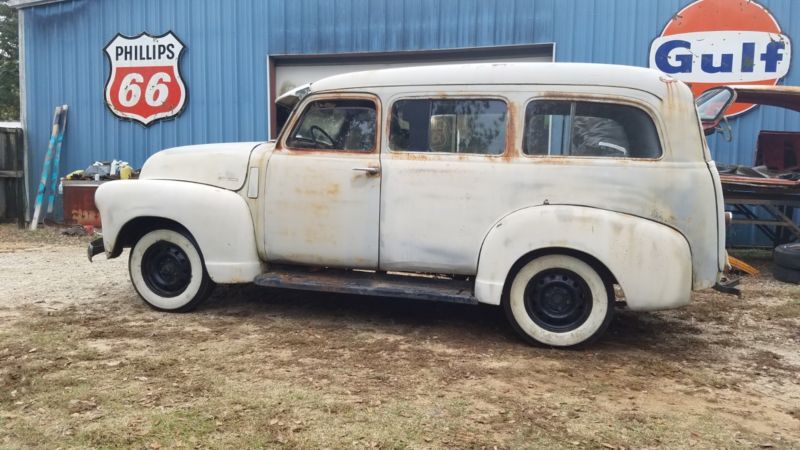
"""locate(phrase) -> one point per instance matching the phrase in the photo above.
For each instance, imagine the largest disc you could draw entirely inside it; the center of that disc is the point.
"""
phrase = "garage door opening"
(287, 72)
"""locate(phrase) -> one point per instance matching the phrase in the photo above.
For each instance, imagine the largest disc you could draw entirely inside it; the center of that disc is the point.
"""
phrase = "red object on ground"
(79, 207)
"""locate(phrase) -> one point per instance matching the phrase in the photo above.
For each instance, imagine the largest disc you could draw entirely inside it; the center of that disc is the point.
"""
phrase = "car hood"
(220, 165)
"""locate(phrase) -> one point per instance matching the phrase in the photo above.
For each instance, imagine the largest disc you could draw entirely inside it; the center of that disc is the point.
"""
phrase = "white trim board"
(29, 3)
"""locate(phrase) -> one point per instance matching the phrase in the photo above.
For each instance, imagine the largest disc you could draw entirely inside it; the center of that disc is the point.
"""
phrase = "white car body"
(656, 224)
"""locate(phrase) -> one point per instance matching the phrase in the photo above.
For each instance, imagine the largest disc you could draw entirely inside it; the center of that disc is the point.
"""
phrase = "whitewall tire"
(168, 272)
(558, 300)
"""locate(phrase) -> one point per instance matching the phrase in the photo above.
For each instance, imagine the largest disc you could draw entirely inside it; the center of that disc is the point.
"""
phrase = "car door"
(445, 180)
(323, 185)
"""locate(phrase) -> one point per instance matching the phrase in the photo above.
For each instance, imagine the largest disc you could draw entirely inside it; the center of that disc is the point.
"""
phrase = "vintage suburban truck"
(537, 187)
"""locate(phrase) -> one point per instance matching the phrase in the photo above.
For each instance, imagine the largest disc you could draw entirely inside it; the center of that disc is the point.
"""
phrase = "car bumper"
(95, 248)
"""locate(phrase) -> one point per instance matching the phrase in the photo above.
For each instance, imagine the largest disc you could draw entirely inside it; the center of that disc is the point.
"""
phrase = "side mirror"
(712, 104)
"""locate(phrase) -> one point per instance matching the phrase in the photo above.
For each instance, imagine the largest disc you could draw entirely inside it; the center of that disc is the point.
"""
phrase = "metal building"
(239, 55)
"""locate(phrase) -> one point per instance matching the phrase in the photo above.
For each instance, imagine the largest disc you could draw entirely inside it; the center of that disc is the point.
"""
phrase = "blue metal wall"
(225, 65)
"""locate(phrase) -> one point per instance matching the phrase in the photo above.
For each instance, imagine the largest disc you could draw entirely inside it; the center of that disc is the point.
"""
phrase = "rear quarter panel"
(436, 209)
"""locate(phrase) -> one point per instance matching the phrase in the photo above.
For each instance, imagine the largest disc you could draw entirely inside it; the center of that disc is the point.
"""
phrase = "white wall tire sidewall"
(135, 269)
(586, 330)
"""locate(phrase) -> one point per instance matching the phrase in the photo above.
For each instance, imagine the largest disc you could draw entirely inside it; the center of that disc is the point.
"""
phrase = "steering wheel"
(613, 150)
(314, 129)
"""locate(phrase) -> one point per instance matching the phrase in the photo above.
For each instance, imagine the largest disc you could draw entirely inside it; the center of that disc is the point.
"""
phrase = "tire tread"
(786, 275)
(787, 256)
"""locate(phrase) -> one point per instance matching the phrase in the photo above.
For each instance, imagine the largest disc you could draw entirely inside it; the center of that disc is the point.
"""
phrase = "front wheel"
(168, 272)
(558, 300)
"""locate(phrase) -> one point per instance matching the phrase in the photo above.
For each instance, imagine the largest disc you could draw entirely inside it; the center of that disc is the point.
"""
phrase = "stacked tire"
(787, 263)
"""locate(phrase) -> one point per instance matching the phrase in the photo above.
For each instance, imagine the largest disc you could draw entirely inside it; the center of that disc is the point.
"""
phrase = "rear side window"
(472, 126)
(567, 128)
(335, 125)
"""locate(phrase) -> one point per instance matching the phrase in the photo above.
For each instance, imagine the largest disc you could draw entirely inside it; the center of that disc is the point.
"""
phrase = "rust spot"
(388, 126)
(510, 152)
(413, 156)
(86, 217)
(333, 190)
(316, 151)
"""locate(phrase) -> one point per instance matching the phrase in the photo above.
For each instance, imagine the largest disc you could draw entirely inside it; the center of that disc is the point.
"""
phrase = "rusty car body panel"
(656, 223)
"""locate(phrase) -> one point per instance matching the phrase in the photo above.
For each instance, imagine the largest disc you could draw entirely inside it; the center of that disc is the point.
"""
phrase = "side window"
(449, 126)
(566, 128)
(335, 125)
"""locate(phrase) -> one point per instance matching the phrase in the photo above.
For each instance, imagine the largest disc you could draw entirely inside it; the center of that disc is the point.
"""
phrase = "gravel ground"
(84, 364)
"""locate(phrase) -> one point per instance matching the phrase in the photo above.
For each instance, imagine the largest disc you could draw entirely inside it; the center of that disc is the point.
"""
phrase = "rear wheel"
(168, 272)
(558, 300)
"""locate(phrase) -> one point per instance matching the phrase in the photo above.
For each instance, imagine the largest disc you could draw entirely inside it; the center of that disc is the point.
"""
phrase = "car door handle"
(368, 170)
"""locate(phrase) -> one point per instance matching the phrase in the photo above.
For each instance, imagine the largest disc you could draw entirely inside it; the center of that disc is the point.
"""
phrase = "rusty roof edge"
(19, 4)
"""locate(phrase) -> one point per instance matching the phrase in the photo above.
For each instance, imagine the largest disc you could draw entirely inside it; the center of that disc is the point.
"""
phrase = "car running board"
(370, 283)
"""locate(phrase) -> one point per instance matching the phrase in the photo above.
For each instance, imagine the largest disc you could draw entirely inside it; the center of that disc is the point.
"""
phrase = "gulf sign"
(716, 42)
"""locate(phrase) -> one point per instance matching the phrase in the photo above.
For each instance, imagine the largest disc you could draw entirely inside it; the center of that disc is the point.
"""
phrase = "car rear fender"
(650, 261)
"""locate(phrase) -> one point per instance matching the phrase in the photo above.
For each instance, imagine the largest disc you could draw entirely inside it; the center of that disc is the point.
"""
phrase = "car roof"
(640, 78)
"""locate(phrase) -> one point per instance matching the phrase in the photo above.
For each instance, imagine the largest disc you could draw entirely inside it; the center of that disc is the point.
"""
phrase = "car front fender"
(650, 261)
(219, 221)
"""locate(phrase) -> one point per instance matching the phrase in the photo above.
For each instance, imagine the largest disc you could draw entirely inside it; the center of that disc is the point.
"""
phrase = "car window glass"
(713, 102)
(335, 125)
(474, 126)
(566, 128)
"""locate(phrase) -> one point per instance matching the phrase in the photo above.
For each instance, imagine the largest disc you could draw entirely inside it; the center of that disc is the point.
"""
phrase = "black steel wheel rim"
(558, 300)
(166, 269)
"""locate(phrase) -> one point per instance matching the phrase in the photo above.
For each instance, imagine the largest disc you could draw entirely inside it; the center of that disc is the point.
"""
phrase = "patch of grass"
(788, 310)
(295, 371)
(182, 424)
(44, 235)
(710, 379)
(767, 359)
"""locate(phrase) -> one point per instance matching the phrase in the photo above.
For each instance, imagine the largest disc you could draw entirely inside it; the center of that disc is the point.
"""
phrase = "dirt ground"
(85, 364)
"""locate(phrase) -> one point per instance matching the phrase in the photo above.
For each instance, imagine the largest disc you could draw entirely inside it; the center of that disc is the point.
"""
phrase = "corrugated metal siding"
(228, 41)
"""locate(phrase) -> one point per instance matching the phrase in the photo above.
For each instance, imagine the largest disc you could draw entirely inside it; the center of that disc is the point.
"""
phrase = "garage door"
(289, 71)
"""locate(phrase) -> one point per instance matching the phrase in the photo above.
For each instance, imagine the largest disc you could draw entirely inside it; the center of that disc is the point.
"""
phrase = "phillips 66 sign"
(145, 82)
(715, 42)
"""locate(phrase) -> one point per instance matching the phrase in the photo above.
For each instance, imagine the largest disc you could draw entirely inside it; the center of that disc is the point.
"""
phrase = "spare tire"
(788, 256)
(786, 275)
